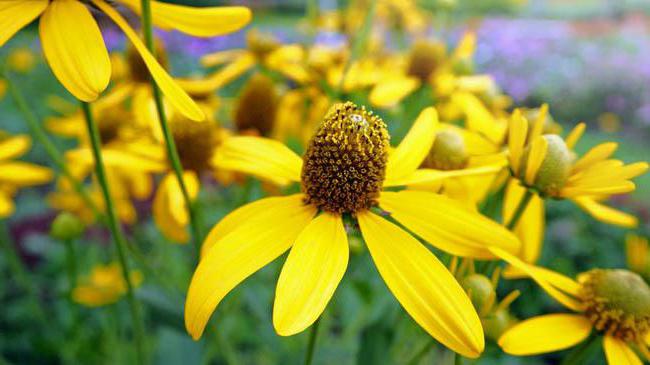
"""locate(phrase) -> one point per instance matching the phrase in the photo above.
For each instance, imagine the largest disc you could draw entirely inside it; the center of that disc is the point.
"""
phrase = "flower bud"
(66, 226)
(496, 323)
(480, 291)
(448, 152)
(555, 168)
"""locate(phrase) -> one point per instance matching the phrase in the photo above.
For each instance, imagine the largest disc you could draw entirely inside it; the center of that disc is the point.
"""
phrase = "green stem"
(519, 211)
(19, 272)
(71, 263)
(37, 131)
(170, 145)
(116, 230)
(311, 345)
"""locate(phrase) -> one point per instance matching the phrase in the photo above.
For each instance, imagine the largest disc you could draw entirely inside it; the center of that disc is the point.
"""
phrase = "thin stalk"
(71, 263)
(311, 345)
(519, 211)
(19, 272)
(116, 230)
(170, 145)
(37, 131)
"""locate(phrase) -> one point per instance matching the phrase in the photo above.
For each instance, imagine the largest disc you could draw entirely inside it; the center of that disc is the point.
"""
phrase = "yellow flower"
(344, 173)
(262, 50)
(612, 303)
(548, 165)
(17, 174)
(105, 285)
(3, 88)
(638, 254)
(75, 50)
(21, 60)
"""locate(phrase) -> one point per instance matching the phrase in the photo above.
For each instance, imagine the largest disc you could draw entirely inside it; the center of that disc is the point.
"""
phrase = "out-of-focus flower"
(21, 60)
(262, 50)
(17, 174)
(75, 50)
(638, 255)
(256, 107)
(344, 171)
(104, 285)
(612, 303)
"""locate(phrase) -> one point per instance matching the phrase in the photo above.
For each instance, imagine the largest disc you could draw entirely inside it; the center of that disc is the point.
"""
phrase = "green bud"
(497, 323)
(480, 290)
(66, 226)
(555, 169)
(448, 152)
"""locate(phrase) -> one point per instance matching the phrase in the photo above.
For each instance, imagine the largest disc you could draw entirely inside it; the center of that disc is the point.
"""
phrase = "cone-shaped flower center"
(425, 58)
(195, 142)
(256, 108)
(345, 163)
(555, 168)
(617, 302)
(447, 153)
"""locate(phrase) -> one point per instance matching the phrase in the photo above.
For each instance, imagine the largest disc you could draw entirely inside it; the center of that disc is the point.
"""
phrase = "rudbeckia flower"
(104, 285)
(343, 173)
(547, 166)
(614, 304)
(75, 50)
(17, 174)
(262, 50)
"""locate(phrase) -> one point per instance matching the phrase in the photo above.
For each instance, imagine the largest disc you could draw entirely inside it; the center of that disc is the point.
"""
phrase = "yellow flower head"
(75, 50)
(105, 285)
(344, 172)
(614, 303)
(256, 107)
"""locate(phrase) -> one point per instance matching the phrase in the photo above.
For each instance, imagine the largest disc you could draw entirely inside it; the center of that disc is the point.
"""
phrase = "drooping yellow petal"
(517, 134)
(24, 174)
(423, 285)
(535, 158)
(574, 136)
(387, 93)
(16, 14)
(262, 157)
(238, 254)
(530, 228)
(606, 214)
(14, 147)
(447, 224)
(547, 333)
(538, 123)
(618, 352)
(596, 154)
(309, 277)
(221, 57)
(169, 210)
(560, 287)
(413, 149)
(176, 96)
(479, 118)
(621, 187)
(7, 206)
(74, 48)
(196, 21)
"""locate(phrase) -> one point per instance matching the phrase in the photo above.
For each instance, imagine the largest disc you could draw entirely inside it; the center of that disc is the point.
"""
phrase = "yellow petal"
(606, 214)
(262, 157)
(414, 148)
(425, 177)
(14, 147)
(196, 21)
(517, 134)
(220, 78)
(466, 46)
(530, 228)
(118, 158)
(7, 206)
(547, 333)
(423, 285)
(16, 14)
(596, 154)
(607, 189)
(74, 48)
(165, 221)
(221, 57)
(176, 96)
(447, 224)
(238, 254)
(310, 275)
(618, 352)
(535, 159)
(24, 174)
(479, 118)
(575, 135)
(390, 92)
(560, 287)
(538, 123)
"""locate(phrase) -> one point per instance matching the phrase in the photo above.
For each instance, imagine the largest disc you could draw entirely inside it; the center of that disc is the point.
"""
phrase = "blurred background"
(588, 59)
